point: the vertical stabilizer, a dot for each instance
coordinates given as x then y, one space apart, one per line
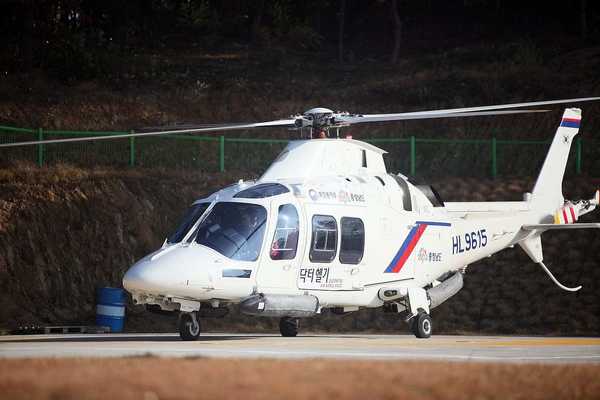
547 192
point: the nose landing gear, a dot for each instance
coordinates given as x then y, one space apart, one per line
189 326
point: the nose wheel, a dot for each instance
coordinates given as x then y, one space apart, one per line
288 326
420 325
189 326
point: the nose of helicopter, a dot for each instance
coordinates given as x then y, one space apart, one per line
146 276
169 272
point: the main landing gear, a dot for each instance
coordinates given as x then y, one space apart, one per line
417 310
189 326
288 326
420 325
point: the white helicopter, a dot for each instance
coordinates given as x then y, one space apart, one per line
327 227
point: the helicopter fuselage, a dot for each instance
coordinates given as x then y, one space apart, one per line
340 238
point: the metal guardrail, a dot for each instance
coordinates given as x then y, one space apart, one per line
221 142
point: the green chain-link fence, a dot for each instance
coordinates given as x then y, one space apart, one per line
411 155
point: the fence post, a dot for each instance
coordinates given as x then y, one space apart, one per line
578 156
494 158
131 150
413 155
222 153
40 155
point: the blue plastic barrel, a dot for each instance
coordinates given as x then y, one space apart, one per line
110 308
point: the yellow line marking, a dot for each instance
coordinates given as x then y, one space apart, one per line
301 342
545 342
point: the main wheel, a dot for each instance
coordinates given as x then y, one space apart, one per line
288 326
421 326
189 326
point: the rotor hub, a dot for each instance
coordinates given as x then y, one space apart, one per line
319 120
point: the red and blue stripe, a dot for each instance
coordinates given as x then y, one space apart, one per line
570 122
409 244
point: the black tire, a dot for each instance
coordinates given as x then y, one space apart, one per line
411 325
288 326
187 329
423 326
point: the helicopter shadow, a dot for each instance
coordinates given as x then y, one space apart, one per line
128 338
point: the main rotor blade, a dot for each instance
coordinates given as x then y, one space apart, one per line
494 107
404 116
214 128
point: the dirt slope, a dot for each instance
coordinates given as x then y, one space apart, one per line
66 231
149 378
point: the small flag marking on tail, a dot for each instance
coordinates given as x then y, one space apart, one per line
570 122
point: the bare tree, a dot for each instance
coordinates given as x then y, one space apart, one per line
256 21
341 18
28 32
583 19
397 31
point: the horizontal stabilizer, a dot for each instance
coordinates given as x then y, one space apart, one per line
546 227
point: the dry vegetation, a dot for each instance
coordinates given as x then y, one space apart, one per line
161 87
152 378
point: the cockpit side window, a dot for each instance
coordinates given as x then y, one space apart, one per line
324 238
189 219
235 230
285 240
262 190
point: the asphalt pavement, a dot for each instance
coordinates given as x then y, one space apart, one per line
360 346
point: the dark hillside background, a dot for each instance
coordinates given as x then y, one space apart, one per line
81 219
65 231
76 39
87 65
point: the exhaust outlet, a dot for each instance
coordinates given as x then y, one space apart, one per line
448 288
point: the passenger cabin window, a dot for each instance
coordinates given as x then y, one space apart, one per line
352 246
324 239
261 191
189 219
285 240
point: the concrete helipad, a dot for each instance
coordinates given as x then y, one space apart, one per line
376 347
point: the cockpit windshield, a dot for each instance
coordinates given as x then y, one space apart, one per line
188 220
235 230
